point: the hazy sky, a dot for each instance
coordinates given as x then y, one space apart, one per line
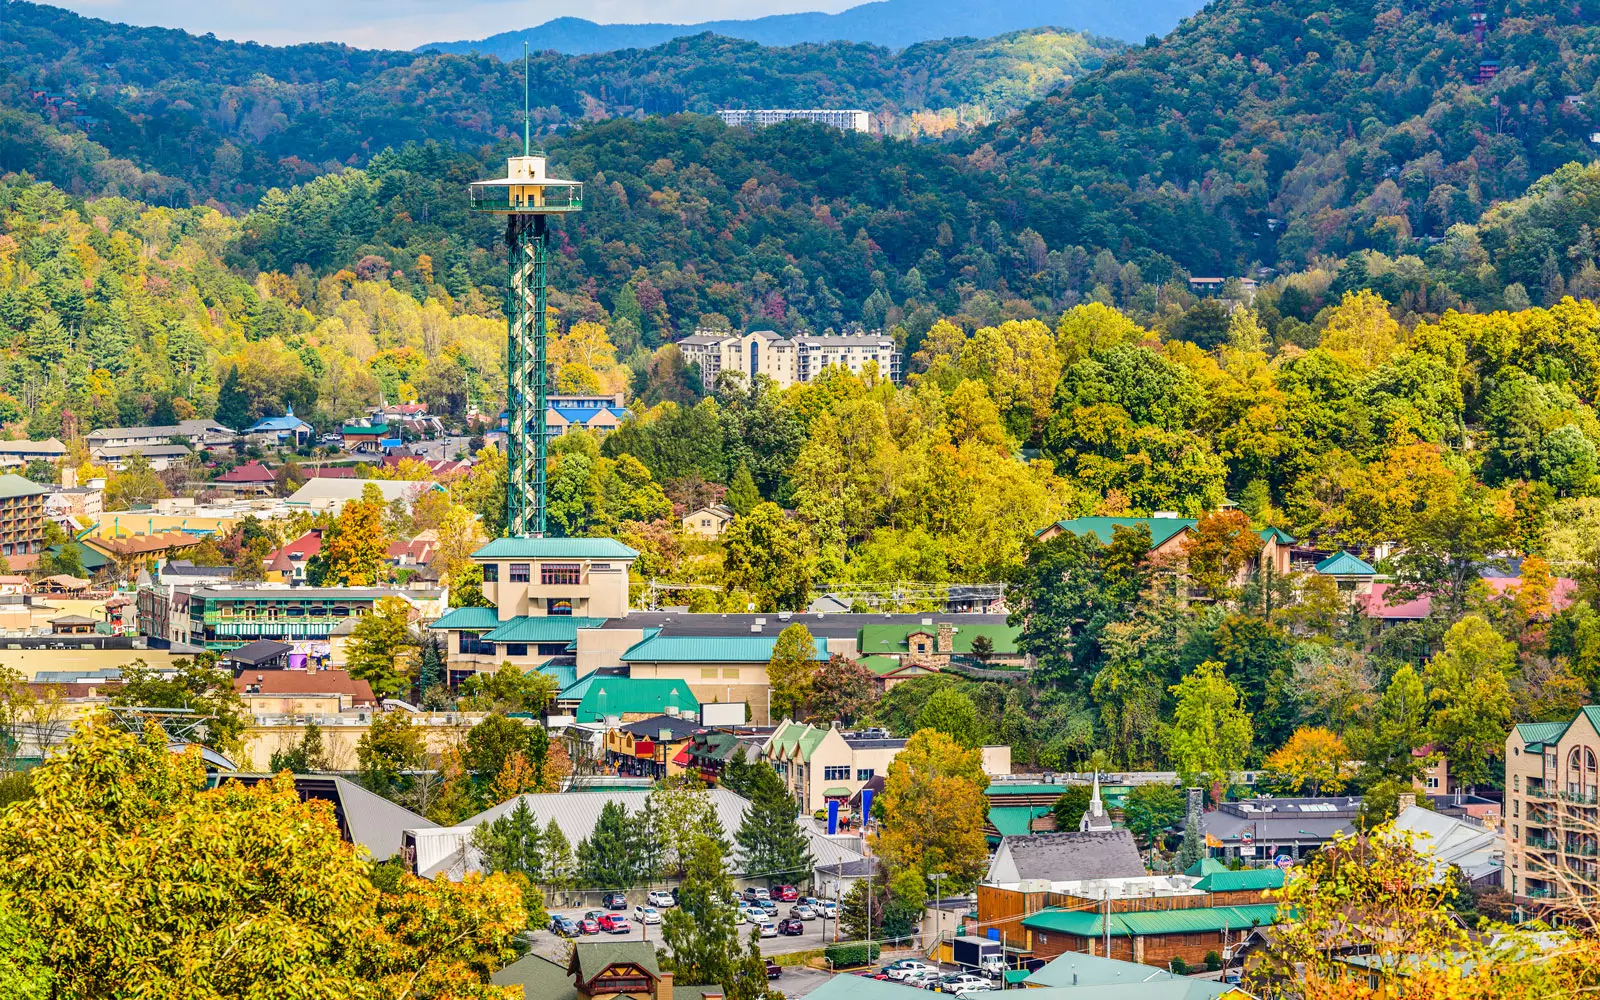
404 24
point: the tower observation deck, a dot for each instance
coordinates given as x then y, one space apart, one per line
526 196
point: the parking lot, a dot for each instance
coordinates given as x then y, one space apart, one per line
819 932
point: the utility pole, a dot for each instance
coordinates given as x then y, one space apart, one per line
938 916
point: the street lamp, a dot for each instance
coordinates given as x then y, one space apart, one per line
938 916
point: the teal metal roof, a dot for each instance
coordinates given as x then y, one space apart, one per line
577 689
711 649
1242 881
555 548
1276 534
1015 821
1088 923
1345 564
613 695
565 675
542 628
1024 788
13 485
1161 528
1204 867
468 618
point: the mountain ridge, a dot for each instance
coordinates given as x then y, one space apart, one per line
894 24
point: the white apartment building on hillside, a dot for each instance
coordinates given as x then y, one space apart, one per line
763 352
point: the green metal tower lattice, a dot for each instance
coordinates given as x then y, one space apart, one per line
526 197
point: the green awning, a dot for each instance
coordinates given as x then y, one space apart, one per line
836 792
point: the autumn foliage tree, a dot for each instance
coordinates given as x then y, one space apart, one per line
179 889
1223 544
934 809
1314 758
353 549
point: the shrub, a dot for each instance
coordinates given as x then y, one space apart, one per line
845 956
1213 961
1179 967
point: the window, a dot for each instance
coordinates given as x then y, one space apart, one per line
560 574
471 643
837 773
730 673
708 673
1433 782
1516 807
558 606
552 648
1516 782
863 774
516 649
520 572
491 572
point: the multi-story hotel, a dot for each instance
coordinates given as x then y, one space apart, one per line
1552 815
846 120
21 515
763 352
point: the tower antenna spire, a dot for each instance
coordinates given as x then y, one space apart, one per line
525 115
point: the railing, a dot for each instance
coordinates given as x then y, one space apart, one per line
1540 893
1544 794
553 197
1584 850
1542 843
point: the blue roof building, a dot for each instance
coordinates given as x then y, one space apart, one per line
285 430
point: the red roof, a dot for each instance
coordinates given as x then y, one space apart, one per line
329 472
1561 592
417 552
298 551
250 472
305 682
682 757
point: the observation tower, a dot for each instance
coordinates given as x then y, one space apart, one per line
526 196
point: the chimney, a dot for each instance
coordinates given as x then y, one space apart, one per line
664 987
1404 801
69 476
946 640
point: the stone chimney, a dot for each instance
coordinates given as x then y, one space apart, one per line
1404 801
69 476
945 641
664 987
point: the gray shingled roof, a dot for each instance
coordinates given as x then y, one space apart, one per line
1059 857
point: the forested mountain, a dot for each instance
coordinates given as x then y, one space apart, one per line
1278 131
228 121
892 23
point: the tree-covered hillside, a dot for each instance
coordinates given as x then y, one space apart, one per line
228 121
1276 130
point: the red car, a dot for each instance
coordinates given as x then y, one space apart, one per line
786 893
615 923
588 925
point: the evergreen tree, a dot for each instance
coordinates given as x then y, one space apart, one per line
430 671
700 933
233 403
742 495
738 775
559 869
770 840
1192 848
606 858
512 843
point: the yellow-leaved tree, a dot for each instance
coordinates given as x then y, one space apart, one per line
138 880
934 810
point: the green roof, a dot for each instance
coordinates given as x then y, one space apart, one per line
836 792
1017 975
634 696
89 559
1088 923
1539 733
579 688
879 663
542 628
1242 881
1080 976
1345 564
1024 788
593 956
13 485
1161 528
356 429
894 638
565 675
538 977
555 548
711 649
1204 867
1015 821
468 618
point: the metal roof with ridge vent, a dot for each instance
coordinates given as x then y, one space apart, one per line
555 548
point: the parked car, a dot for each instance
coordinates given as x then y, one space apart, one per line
786 893
960 981
660 898
615 923
756 894
802 911
906 968
774 970
563 926
769 929
791 926
589 925
647 914
830 909
615 901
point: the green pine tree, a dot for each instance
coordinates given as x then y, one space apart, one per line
559 867
771 843
606 858
430 671
700 933
233 403
742 494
